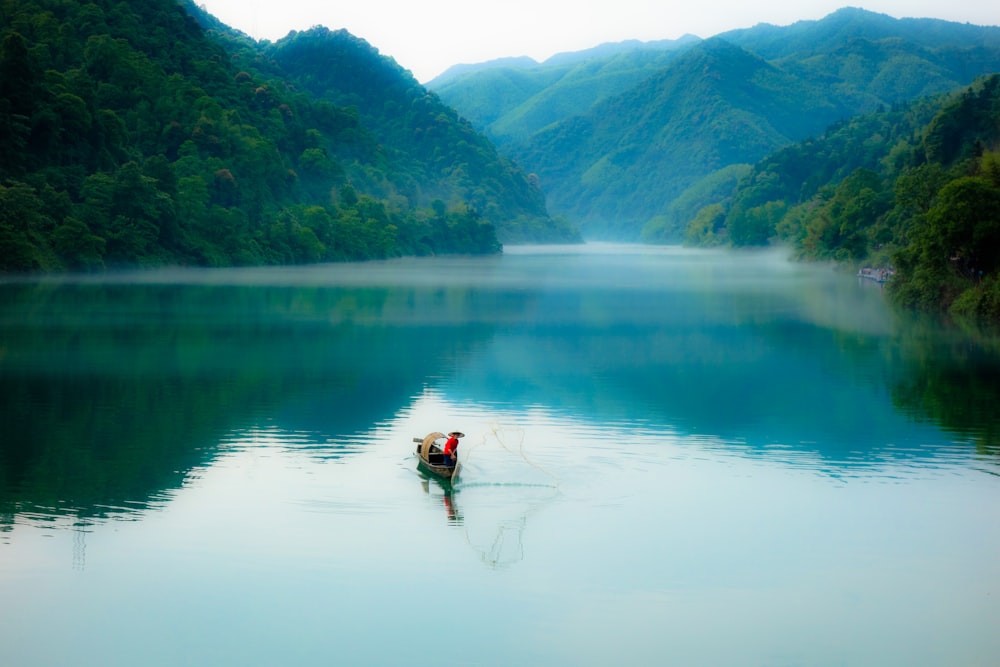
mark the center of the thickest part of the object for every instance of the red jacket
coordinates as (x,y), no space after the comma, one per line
(451,445)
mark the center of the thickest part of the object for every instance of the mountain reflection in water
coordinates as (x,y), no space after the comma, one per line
(689,442)
(138,378)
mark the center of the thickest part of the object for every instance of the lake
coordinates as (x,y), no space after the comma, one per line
(672,456)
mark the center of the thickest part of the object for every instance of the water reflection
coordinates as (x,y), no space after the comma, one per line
(693,444)
(317,444)
(439,489)
(118,390)
(499,488)
(114,393)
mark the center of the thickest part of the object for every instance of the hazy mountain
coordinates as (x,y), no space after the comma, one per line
(618,143)
(466,69)
(850,23)
(510,101)
(607,49)
(630,155)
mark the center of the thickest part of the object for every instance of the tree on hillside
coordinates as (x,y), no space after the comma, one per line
(840,228)
(958,245)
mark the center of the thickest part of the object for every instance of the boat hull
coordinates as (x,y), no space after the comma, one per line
(443,471)
(432,459)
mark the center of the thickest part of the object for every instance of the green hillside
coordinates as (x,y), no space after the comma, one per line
(149,134)
(511,100)
(435,154)
(915,189)
(631,155)
(631,163)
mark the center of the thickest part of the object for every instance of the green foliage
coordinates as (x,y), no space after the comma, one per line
(954,257)
(674,223)
(949,240)
(132,135)
(424,150)
(979,302)
(966,217)
(756,225)
(707,228)
(839,227)
(22,225)
(915,188)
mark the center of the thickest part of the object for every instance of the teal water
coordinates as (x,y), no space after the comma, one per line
(672,457)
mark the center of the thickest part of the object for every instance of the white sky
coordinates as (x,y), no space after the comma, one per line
(428,36)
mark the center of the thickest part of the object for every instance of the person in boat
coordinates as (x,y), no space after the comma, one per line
(451,446)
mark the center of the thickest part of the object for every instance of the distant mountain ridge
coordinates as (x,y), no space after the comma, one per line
(463,69)
(510,102)
(642,147)
(829,33)
(617,141)
(559,59)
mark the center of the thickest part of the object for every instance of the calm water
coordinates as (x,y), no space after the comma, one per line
(673,457)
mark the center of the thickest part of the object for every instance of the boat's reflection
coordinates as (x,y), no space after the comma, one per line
(446,490)
(494,530)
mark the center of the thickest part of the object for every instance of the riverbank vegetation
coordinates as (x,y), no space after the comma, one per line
(916,188)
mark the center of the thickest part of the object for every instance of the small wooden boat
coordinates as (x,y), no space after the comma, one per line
(432,458)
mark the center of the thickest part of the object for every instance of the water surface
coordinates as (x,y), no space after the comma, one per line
(672,457)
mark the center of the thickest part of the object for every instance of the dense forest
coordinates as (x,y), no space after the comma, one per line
(915,189)
(148,134)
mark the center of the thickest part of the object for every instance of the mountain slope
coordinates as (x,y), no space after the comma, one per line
(132,135)
(631,155)
(616,163)
(916,187)
(511,102)
(436,154)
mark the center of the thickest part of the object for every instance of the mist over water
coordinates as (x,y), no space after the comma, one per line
(728,458)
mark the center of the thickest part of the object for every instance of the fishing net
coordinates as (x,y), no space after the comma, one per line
(500,456)
(500,487)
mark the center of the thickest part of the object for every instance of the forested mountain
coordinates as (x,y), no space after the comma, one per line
(511,99)
(132,134)
(631,154)
(641,161)
(434,153)
(849,24)
(605,52)
(915,188)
